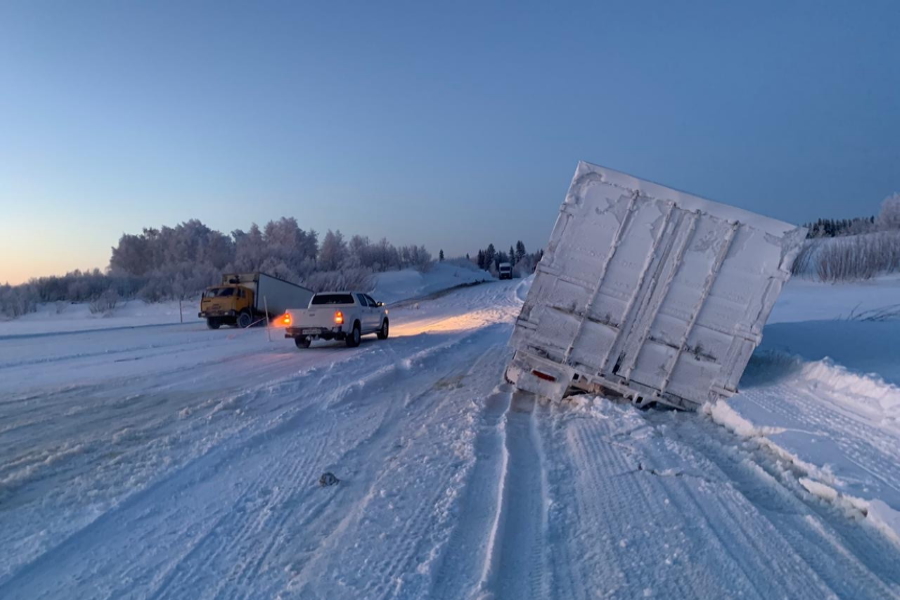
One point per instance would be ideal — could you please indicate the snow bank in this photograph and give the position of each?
(864, 395)
(56, 317)
(839, 429)
(394, 286)
(823, 393)
(803, 300)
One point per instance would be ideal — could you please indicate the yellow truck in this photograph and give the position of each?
(244, 298)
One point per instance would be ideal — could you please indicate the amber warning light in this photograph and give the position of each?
(338, 317)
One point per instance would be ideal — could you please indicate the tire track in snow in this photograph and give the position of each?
(283, 414)
(268, 534)
(517, 563)
(428, 431)
(599, 547)
(466, 557)
(640, 500)
(450, 479)
(827, 540)
(269, 412)
(869, 447)
(231, 536)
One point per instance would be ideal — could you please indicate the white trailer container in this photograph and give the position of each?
(649, 293)
(276, 295)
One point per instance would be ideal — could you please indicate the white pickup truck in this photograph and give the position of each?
(336, 316)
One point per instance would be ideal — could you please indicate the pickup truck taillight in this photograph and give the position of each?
(338, 317)
(286, 319)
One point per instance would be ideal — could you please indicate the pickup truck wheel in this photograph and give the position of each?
(244, 320)
(383, 332)
(353, 338)
(302, 342)
(213, 323)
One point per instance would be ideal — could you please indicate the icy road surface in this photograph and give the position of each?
(177, 462)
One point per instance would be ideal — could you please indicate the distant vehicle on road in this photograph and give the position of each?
(505, 270)
(242, 298)
(336, 316)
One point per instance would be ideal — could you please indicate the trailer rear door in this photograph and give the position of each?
(654, 289)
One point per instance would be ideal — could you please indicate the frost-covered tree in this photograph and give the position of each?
(283, 239)
(180, 261)
(889, 217)
(131, 255)
(385, 256)
(333, 251)
(414, 256)
(156, 249)
(358, 250)
(249, 249)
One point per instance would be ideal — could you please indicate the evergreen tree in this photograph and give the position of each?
(441, 255)
(520, 250)
(490, 255)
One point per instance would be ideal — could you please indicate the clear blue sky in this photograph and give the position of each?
(448, 124)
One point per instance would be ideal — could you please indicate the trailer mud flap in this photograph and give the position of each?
(539, 376)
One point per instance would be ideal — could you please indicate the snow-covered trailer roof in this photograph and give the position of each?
(649, 292)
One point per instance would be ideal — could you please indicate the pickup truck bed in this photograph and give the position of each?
(337, 316)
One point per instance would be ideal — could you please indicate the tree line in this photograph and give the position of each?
(887, 219)
(852, 249)
(176, 262)
(522, 261)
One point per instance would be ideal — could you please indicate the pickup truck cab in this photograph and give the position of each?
(337, 316)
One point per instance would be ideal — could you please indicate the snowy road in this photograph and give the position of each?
(177, 462)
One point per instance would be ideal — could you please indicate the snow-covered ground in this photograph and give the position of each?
(821, 392)
(172, 461)
(394, 286)
(56, 317)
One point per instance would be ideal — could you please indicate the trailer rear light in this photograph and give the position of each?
(543, 376)
(338, 317)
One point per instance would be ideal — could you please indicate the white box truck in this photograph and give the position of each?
(649, 293)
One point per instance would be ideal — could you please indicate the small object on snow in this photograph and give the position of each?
(327, 479)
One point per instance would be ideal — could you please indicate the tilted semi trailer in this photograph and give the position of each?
(243, 298)
(648, 293)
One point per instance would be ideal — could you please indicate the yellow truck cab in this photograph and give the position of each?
(243, 299)
(227, 305)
